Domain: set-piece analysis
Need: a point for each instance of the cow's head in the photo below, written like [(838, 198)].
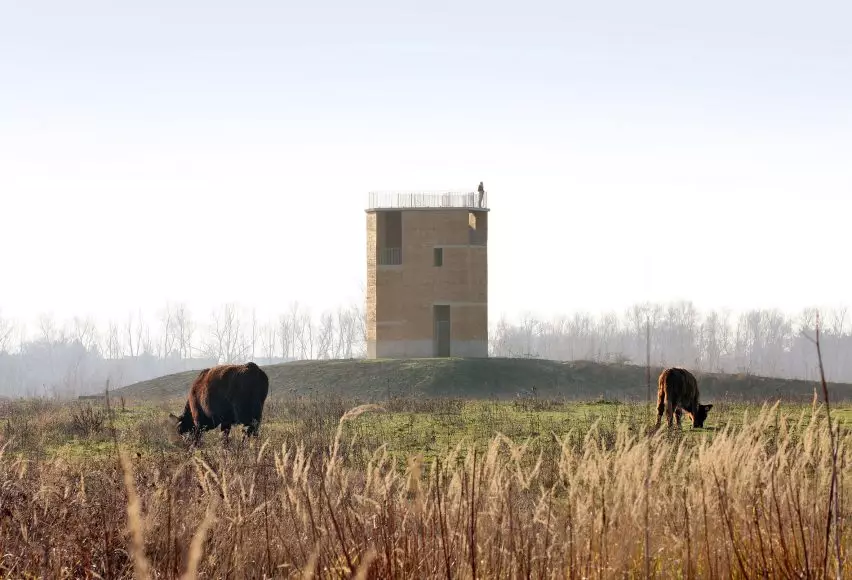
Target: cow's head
[(701, 416), (184, 422)]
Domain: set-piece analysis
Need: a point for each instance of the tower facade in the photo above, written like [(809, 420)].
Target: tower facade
[(427, 275)]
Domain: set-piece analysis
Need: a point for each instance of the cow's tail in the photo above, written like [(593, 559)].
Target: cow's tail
[(664, 378)]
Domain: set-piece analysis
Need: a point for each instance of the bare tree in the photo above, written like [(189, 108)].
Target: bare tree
[(501, 343), (113, 341), (184, 329), (85, 332), (305, 335), (347, 332), (360, 330), (168, 339), (295, 326), (529, 327), (7, 328), (608, 345), (135, 334), (226, 342), (269, 340), (325, 336), (255, 333), (147, 341), (48, 331), (285, 335)]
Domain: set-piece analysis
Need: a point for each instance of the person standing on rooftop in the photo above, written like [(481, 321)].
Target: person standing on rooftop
[(481, 193)]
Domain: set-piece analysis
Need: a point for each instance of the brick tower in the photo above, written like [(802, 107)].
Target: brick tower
[(427, 275)]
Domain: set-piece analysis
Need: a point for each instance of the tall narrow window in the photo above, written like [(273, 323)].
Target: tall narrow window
[(439, 256)]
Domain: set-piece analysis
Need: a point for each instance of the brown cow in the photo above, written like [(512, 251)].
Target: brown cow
[(677, 392), (225, 395)]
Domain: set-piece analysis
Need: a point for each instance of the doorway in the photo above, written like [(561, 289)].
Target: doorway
[(441, 315)]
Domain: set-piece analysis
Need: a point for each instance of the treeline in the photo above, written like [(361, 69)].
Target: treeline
[(757, 342), (78, 356)]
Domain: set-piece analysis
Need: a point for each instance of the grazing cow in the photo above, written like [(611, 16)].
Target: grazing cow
[(677, 392), (225, 395)]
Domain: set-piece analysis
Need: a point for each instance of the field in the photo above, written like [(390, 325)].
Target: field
[(415, 487), (502, 378)]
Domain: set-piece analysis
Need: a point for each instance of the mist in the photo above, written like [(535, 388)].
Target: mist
[(69, 358)]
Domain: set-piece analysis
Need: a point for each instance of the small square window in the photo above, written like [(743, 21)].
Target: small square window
[(439, 256)]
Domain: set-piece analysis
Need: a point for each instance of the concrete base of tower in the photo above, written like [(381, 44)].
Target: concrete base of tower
[(469, 348), (425, 349)]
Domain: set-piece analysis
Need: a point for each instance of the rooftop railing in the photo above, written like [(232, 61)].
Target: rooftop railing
[(424, 200)]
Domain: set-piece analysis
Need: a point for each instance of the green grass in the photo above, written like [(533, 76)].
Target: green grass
[(405, 426), (541, 495), (376, 380)]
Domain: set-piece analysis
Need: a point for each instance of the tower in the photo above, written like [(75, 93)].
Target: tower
[(427, 275)]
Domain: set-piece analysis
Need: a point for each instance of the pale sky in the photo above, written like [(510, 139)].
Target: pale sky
[(211, 151)]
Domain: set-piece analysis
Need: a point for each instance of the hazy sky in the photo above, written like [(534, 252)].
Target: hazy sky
[(212, 151)]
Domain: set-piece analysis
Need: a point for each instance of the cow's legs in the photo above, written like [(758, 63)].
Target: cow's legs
[(250, 416), (669, 413), (678, 414), (661, 406), (253, 427)]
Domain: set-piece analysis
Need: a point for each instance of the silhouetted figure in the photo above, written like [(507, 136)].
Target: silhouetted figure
[(481, 193)]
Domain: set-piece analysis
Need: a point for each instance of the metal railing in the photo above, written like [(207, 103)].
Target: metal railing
[(390, 257), (438, 199)]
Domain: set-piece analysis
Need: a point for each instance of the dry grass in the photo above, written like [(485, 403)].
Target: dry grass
[(749, 501)]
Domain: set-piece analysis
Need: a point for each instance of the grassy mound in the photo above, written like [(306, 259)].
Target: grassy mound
[(371, 380)]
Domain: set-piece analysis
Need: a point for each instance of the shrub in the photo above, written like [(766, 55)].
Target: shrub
[(87, 421)]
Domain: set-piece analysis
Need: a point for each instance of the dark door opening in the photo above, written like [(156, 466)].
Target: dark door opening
[(441, 316), (439, 257)]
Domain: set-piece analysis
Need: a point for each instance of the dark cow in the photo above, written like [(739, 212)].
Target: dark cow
[(677, 391), (225, 395)]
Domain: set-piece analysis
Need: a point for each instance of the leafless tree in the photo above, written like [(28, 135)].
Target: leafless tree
[(325, 336), (85, 331), (347, 332), (530, 328), (285, 335), (226, 341), (305, 335), (148, 347), (183, 328), (763, 341), (608, 345), (269, 340), (361, 330), (48, 330), (113, 341), (295, 326), (167, 338), (136, 333), (255, 334), (7, 329)]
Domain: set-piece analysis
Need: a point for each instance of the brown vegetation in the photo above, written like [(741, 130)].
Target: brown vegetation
[(749, 500)]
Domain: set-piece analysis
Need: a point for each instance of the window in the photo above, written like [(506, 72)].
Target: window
[(439, 256)]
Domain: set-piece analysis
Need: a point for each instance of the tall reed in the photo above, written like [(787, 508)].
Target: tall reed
[(749, 501)]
